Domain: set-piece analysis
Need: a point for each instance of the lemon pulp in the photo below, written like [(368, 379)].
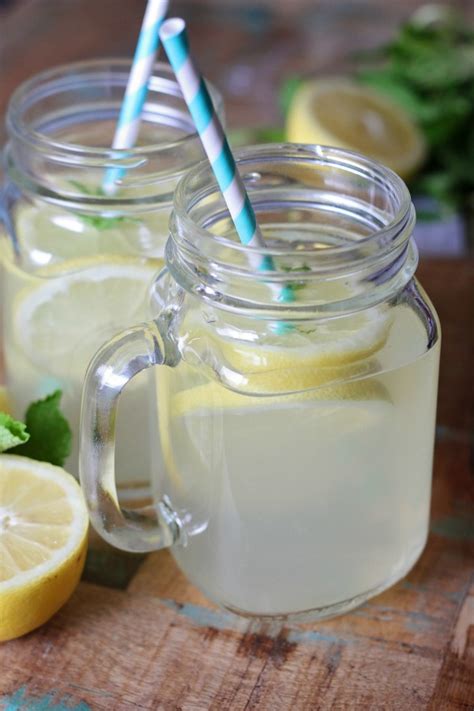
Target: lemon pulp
[(339, 112), (43, 535)]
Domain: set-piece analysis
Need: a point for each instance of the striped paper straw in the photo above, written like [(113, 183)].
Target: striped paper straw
[(128, 124), (175, 40)]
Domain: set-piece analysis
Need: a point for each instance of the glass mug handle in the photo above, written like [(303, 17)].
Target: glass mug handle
[(114, 365)]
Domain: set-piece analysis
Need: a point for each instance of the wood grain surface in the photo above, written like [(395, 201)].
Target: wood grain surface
[(136, 634), (159, 644)]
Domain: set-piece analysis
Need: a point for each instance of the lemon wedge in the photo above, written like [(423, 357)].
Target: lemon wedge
[(43, 538), (62, 317), (339, 112)]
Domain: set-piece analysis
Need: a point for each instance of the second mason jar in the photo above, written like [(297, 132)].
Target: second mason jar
[(296, 433), (78, 259)]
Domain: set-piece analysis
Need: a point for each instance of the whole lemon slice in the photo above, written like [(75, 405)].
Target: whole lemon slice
[(43, 539), (339, 112)]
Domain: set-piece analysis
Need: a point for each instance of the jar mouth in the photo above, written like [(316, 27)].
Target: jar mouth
[(61, 125), (326, 214), (44, 84), (186, 197)]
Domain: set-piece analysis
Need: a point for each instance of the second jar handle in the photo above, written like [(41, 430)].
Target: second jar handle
[(116, 363)]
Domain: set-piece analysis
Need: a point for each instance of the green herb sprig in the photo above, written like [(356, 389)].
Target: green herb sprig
[(295, 285), (100, 222), (428, 69), (45, 435)]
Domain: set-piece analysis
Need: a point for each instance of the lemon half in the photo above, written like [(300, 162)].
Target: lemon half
[(43, 538), (340, 112)]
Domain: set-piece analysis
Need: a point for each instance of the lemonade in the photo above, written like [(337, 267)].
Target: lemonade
[(77, 259), (325, 490), (295, 434)]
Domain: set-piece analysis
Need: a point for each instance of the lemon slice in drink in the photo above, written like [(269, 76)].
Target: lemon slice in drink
[(43, 538), (339, 112), (214, 397), (330, 363), (49, 234), (74, 308), (334, 350)]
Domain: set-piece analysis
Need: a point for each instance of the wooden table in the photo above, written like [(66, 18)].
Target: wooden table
[(136, 634)]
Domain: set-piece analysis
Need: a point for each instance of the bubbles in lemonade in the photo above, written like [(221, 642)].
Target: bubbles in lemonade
[(78, 283), (302, 500)]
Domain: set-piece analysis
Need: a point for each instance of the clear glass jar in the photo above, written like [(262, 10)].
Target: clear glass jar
[(296, 437), (77, 262)]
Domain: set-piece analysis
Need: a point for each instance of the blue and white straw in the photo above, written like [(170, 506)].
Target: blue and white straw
[(175, 41), (128, 124)]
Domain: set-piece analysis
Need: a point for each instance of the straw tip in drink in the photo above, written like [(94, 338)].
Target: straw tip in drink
[(172, 27)]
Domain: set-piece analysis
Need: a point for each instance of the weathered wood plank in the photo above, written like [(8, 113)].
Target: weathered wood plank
[(160, 644), (145, 654), (454, 689)]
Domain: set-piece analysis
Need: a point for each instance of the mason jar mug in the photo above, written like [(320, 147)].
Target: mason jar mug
[(79, 253), (296, 406)]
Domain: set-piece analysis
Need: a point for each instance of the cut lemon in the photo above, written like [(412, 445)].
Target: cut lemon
[(43, 538), (335, 350), (339, 112), (213, 397), (75, 307)]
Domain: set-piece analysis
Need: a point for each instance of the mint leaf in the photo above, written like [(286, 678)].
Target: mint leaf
[(295, 267), (287, 91), (50, 434), (265, 134), (100, 222), (295, 285), (12, 432)]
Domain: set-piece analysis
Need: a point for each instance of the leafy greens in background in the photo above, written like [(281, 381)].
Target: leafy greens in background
[(428, 69), (46, 434)]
